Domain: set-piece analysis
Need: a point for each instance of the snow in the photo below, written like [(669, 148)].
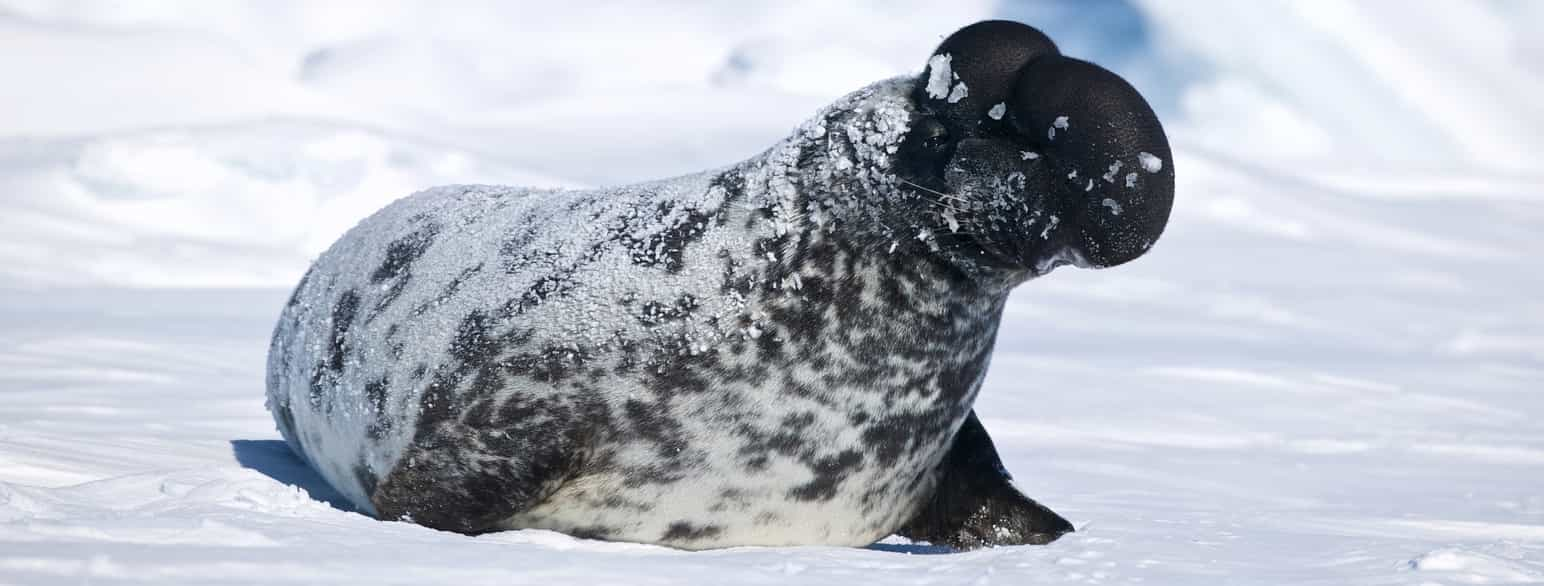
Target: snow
[(1326, 372), (1474, 568), (1150, 162), (1109, 174), (958, 93), (939, 75), (1059, 124), (1114, 206)]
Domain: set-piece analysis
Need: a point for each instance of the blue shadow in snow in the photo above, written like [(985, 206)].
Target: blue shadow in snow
[(912, 548), (274, 459)]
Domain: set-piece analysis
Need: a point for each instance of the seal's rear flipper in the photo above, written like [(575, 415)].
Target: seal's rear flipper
[(975, 505)]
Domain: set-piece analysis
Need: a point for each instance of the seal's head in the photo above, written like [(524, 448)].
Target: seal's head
[(1004, 156), (1038, 158)]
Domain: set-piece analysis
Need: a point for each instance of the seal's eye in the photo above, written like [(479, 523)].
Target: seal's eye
[(934, 135), (927, 148)]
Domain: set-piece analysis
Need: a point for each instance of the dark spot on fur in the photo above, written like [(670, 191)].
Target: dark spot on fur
[(515, 252), (732, 282), (733, 184), (772, 250), (549, 365), (730, 499), (366, 477), (375, 393), (653, 423), (593, 531), (893, 436), (473, 349), (680, 365), (769, 346), (787, 440), (797, 422), (731, 493), (655, 313), (673, 230), (667, 247), (449, 291), (515, 408), (400, 256), (765, 518), (342, 320), (317, 388), (394, 346), (294, 298), (685, 531), (550, 286), (829, 471), (627, 357), (474, 343), (757, 463), (956, 382), (324, 377)]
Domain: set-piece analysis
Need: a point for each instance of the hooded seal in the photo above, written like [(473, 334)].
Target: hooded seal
[(783, 351)]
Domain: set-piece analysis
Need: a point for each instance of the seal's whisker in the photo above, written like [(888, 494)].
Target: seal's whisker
[(949, 207), (934, 191)]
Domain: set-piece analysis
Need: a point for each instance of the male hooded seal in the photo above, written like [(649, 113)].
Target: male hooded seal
[(783, 351)]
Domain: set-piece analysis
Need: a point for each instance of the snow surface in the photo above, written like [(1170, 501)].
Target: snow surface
[(1328, 371)]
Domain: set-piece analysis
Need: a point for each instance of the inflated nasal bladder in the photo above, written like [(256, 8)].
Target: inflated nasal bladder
[(1093, 143)]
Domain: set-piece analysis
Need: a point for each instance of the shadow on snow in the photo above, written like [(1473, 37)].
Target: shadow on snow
[(274, 459)]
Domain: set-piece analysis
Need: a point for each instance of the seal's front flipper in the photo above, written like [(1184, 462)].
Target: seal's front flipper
[(975, 505)]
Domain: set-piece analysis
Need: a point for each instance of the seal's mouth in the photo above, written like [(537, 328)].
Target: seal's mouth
[(1062, 257), (1057, 161)]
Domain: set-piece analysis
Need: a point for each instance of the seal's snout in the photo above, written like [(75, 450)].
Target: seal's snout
[(1094, 154)]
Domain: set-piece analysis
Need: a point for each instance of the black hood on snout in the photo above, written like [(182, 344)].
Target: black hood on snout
[(1057, 156)]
